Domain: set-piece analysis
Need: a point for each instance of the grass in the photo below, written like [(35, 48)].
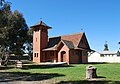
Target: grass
[(76, 72)]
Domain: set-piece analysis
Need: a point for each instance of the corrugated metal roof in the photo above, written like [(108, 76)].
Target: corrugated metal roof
[(108, 52)]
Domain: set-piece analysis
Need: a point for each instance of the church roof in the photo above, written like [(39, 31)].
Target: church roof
[(70, 40), (69, 44), (50, 48), (75, 38), (40, 23)]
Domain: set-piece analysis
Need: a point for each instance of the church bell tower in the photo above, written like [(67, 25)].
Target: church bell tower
[(40, 40)]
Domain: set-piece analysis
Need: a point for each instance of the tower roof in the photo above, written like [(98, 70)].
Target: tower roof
[(41, 23)]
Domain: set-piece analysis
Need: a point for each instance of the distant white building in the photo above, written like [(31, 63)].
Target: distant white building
[(104, 56)]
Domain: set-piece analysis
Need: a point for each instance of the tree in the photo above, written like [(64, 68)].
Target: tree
[(13, 30), (106, 46), (4, 12), (17, 33), (1, 2), (29, 43), (118, 42)]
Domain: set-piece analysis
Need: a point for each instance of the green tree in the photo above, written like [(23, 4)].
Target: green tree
[(106, 47), (1, 2), (13, 31), (17, 33), (4, 12), (29, 43)]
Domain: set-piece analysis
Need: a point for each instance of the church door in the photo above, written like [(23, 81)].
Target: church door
[(63, 56)]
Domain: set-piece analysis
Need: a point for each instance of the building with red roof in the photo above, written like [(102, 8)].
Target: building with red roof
[(70, 48)]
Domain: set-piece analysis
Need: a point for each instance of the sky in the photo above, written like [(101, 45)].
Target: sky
[(99, 19)]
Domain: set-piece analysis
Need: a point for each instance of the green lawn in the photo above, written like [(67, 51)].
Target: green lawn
[(75, 73)]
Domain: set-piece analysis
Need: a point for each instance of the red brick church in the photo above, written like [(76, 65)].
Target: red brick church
[(70, 48)]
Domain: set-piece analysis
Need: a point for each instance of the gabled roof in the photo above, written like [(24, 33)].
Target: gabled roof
[(75, 38), (69, 44), (41, 23), (70, 40)]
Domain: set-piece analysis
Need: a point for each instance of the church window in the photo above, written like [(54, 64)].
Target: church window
[(37, 54), (36, 39), (34, 54)]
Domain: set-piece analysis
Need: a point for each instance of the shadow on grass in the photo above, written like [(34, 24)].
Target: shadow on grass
[(26, 76), (89, 82), (100, 77), (97, 63), (45, 66), (5, 68)]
